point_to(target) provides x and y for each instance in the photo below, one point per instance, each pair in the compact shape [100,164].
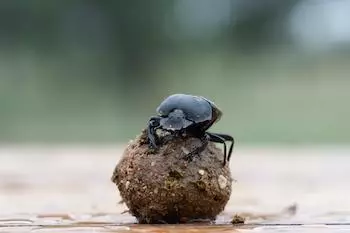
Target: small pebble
[186,152]
[127,184]
[201,172]
[222,182]
[237,220]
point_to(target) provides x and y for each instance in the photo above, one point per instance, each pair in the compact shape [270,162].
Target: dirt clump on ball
[165,186]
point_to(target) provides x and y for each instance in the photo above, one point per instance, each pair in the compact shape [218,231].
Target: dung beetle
[182,115]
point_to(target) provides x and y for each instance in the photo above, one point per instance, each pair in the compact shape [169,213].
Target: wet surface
[68,189]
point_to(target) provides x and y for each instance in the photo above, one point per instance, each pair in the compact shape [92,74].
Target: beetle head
[176,120]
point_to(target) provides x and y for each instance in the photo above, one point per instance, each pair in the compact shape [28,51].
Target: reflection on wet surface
[68,189]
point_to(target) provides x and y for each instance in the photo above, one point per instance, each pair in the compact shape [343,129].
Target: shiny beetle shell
[196,108]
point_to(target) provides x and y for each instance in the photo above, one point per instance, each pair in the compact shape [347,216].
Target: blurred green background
[95,71]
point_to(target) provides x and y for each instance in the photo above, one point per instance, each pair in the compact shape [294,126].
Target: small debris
[61,216]
[290,210]
[153,163]
[237,219]
[222,182]
[201,172]
[201,185]
[127,184]
[175,174]
[286,212]
[186,152]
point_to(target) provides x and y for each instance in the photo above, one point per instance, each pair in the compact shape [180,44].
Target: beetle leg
[228,138]
[204,139]
[216,138]
[153,124]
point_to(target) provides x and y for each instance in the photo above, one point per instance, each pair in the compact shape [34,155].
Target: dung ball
[168,186]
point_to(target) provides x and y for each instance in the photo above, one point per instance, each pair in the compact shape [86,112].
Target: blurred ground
[74,181]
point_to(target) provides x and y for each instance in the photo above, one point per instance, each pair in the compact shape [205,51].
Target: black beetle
[183,115]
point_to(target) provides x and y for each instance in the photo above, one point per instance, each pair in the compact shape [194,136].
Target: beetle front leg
[153,124]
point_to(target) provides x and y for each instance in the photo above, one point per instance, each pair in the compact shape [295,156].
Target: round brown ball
[167,186]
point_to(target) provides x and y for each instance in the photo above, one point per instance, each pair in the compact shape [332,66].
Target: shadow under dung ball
[164,187]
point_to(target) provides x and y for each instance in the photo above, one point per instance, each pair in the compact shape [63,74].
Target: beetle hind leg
[230,139]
